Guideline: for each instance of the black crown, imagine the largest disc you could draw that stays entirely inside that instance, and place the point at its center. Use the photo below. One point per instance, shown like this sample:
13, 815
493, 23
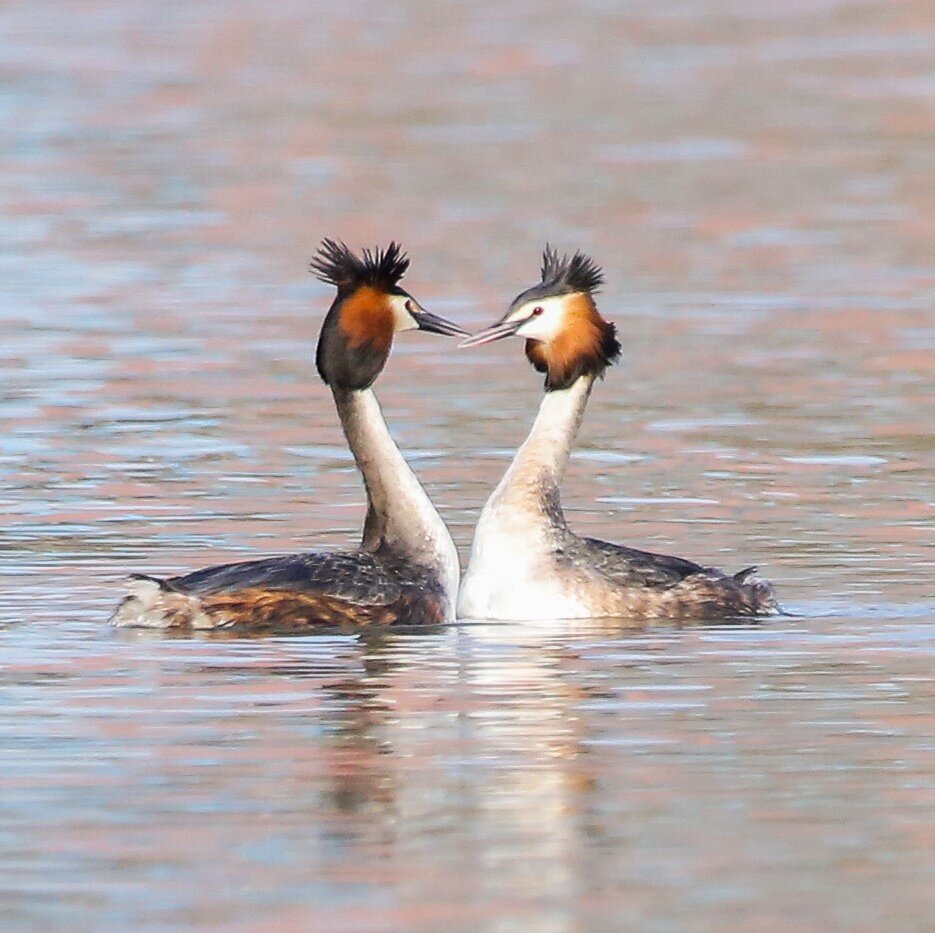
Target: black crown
337, 265
578, 273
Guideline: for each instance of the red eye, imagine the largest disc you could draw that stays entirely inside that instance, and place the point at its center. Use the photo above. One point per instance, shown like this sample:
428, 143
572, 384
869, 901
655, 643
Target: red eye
537, 311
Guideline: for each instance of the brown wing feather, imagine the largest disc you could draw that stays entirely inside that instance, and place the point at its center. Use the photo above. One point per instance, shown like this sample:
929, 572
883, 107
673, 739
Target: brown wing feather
256, 607
660, 584
297, 592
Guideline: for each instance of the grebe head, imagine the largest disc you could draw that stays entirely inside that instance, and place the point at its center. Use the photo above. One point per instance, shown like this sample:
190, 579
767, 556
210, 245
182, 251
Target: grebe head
369, 309
566, 337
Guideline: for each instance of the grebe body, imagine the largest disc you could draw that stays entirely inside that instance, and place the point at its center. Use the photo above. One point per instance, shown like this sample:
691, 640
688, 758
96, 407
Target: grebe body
406, 568
526, 563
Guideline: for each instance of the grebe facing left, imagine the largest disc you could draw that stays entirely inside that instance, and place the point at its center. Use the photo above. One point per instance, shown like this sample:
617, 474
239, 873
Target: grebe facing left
526, 564
406, 568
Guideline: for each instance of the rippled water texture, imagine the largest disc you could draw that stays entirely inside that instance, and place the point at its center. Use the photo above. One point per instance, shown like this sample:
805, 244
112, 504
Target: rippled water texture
756, 178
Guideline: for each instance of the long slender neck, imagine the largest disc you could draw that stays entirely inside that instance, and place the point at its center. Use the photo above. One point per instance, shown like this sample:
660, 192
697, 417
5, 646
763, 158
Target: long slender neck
533, 480
399, 513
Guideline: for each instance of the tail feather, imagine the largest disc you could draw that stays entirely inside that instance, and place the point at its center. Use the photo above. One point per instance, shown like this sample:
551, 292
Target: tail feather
164, 585
155, 603
758, 592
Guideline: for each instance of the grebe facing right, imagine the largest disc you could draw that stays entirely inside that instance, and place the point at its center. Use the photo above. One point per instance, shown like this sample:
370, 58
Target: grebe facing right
406, 568
526, 564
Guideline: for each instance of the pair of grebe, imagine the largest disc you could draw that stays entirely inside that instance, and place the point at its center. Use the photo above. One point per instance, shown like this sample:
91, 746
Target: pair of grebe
525, 564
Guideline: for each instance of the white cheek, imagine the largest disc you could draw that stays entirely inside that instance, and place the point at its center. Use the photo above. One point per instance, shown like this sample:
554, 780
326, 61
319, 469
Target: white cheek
404, 320
544, 327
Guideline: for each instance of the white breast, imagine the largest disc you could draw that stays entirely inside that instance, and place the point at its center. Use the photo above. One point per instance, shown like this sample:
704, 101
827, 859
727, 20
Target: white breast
511, 574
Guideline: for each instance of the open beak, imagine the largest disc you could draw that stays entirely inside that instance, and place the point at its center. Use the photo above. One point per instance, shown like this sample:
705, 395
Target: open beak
436, 325
492, 333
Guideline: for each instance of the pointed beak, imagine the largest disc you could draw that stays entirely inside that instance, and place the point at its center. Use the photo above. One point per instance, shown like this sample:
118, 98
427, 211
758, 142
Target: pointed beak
492, 333
434, 324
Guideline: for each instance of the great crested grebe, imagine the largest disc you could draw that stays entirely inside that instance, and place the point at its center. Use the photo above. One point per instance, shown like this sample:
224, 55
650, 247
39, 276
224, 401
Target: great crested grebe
406, 568
526, 563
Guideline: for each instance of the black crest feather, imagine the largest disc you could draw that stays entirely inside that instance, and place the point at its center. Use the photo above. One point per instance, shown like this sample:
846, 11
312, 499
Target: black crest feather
335, 264
578, 273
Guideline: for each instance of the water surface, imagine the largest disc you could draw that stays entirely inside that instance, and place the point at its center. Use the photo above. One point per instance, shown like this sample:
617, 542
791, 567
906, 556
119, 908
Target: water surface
756, 180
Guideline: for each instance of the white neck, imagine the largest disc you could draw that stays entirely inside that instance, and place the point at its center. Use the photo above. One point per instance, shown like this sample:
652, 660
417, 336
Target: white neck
533, 480
510, 574
399, 513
